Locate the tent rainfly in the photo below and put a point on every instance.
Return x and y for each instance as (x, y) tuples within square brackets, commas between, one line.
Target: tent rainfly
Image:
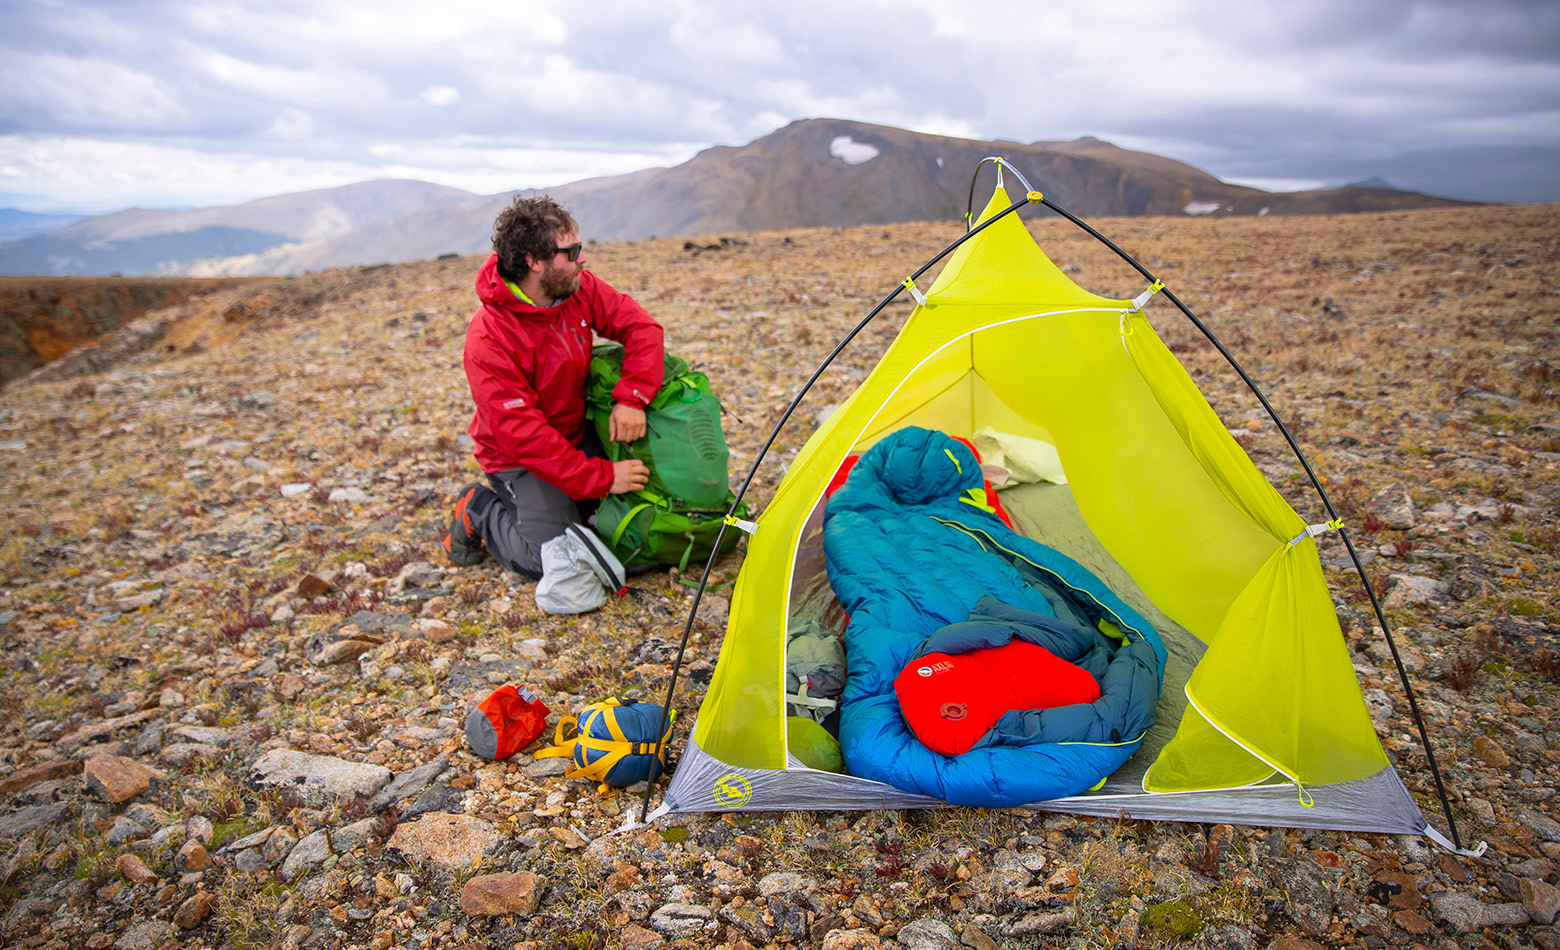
[(1261, 719)]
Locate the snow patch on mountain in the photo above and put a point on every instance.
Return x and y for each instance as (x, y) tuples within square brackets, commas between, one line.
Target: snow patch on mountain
[(852, 152)]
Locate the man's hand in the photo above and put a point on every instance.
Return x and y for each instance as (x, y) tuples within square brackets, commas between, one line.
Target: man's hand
[(626, 424), (629, 474)]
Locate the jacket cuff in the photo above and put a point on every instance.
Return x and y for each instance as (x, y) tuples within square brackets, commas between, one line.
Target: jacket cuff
[(632, 397)]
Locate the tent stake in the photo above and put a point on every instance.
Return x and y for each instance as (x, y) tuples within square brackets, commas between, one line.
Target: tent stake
[(785, 417), (1359, 567)]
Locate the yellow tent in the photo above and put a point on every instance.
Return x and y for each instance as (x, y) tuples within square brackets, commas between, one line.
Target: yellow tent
[(1272, 727)]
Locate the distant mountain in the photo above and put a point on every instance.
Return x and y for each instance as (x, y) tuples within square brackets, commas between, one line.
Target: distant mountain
[(1509, 173), (15, 224), (815, 172), (141, 241), (1374, 181)]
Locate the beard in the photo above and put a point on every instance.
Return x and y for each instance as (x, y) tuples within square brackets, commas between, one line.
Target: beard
[(560, 283)]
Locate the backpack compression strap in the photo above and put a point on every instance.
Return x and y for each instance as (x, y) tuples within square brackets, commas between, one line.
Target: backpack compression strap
[(612, 751)]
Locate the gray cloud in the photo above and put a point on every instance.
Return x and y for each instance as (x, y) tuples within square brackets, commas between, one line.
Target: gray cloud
[(224, 100)]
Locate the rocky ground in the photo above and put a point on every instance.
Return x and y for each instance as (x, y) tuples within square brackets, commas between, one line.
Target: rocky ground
[(239, 667)]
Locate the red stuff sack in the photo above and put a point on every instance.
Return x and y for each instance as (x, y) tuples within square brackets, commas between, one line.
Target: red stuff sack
[(506, 722), (951, 701)]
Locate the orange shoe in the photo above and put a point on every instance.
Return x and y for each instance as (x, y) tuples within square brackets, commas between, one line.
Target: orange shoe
[(462, 542)]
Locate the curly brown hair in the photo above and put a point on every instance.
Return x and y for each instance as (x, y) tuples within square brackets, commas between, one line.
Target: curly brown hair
[(528, 226)]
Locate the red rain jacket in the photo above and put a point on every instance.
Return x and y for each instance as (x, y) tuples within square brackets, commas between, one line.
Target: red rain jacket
[(527, 367)]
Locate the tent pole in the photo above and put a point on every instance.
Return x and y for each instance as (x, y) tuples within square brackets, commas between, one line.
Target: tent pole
[(1359, 567), (709, 565)]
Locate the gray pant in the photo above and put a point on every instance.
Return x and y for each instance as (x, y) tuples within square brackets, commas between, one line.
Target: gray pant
[(529, 513)]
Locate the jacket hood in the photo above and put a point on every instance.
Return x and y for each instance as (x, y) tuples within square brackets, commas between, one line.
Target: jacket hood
[(492, 290)]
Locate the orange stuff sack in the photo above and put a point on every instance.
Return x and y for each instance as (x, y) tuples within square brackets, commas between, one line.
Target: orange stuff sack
[(951, 701), (507, 721)]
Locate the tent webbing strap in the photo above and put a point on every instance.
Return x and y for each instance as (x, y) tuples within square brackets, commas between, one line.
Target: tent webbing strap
[(730, 519), (1316, 483), (1313, 530), (1142, 298)]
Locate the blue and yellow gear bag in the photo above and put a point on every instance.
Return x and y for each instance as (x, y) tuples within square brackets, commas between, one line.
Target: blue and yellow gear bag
[(614, 743)]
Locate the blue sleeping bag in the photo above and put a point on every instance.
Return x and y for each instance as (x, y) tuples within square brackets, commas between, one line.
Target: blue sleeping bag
[(920, 564)]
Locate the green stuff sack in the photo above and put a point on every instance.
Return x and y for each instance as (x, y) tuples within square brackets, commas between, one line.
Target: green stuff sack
[(676, 517)]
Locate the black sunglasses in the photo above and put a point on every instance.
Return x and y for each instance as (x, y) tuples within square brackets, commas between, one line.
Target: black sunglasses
[(573, 250)]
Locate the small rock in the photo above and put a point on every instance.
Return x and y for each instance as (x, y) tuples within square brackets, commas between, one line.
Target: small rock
[(1410, 590), (1490, 751), (1467, 914), (1041, 923), (20, 857), (749, 919), (312, 586), (339, 651), (133, 869), (117, 778), (353, 836), (928, 933), (1379, 703), (310, 851), (1009, 873), (254, 840), (122, 831), (1541, 900), (1393, 507), (635, 937), (294, 489), (204, 735), (547, 768), (249, 862), (192, 856), (145, 935), (186, 755), (48, 771), (193, 912), (320, 779), (409, 783), (1541, 824), (290, 687), (851, 940), (784, 882), (452, 841), (277, 846), (490, 894), (199, 828), (170, 698), (1412, 922), (680, 920), (438, 797), (350, 496), (1229, 937)]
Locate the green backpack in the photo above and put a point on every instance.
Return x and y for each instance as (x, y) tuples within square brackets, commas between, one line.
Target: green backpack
[(674, 519)]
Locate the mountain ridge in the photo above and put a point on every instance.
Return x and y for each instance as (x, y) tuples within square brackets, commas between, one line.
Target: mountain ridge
[(809, 173)]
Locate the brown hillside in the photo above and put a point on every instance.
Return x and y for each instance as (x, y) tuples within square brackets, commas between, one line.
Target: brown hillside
[(43, 318), (227, 552)]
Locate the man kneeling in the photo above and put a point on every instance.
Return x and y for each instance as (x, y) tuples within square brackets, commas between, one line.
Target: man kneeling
[(527, 359)]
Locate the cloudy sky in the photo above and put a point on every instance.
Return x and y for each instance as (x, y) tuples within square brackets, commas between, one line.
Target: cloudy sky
[(163, 103)]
